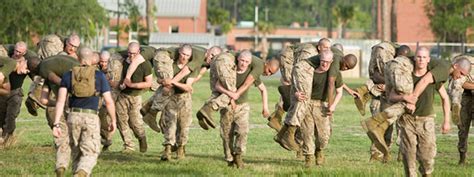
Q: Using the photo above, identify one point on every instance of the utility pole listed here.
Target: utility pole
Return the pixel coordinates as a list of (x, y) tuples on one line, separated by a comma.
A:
[(256, 24)]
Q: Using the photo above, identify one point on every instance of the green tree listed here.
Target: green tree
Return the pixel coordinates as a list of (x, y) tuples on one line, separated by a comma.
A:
[(219, 17), (344, 14), (22, 19), (449, 19)]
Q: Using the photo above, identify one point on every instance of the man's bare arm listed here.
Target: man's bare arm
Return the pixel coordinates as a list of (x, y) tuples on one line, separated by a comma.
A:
[(446, 110)]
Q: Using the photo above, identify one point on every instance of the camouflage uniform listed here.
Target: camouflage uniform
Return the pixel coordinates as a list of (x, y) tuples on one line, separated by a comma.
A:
[(316, 124), (163, 66), (113, 73), (467, 112), (177, 119), (63, 150), (128, 105), (49, 45), (85, 140), (222, 70), (398, 76), (418, 142), (234, 130), (381, 54), (129, 117), (455, 91), (302, 74)]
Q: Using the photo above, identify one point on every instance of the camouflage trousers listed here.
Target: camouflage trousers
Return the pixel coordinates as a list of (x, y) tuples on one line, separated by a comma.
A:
[(128, 116), (316, 127), (418, 142), (177, 119), (9, 110), (163, 66), (467, 115), (455, 92), (222, 70), (61, 144), (377, 105), (286, 58), (302, 81), (84, 134), (105, 120), (234, 130)]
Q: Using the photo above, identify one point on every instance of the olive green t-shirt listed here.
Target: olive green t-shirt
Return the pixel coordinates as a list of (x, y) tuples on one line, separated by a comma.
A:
[(256, 67), (148, 52), (7, 67), (424, 105), (143, 70), (176, 70), (57, 64), (196, 60), (240, 81), (320, 85), (439, 69)]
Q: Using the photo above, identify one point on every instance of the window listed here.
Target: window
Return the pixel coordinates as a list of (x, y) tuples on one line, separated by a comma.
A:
[(174, 29), (112, 38)]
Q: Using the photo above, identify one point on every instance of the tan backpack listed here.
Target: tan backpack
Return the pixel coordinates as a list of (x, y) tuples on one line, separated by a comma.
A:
[(83, 81)]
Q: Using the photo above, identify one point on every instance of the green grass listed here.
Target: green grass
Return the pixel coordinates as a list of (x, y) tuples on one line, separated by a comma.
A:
[(346, 155)]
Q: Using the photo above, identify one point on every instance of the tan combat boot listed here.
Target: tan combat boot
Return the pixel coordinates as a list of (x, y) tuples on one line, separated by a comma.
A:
[(376, 128), (286, 138), (166, 155), (376, 156), (143, 144), (319, 157), (31, 106), (204, 116), (239, 163), (146, 107), (308, 161), (60, 172), (362, 101), (274, 121), (150, 120), (81, 173), (180, 152), (462, 158)]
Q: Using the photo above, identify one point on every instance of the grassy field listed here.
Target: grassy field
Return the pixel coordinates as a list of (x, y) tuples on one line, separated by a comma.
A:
[(346, 155)]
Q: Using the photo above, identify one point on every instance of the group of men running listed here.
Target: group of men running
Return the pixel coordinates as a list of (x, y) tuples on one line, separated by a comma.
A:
[(87, 94)]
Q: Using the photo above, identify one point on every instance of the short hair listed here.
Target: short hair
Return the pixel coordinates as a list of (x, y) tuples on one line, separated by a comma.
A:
[(350, 60), (219, 49), (105, 54), (403, 50), (74, 39), (463, 62), (185, 47), (323, 40), (422, 49), (245, 54), (32, 64), (327, 54), (21, 44), (86, 54)]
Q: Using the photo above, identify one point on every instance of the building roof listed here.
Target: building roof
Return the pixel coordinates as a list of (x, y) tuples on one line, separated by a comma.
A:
[(164, 8), (201, 39)]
